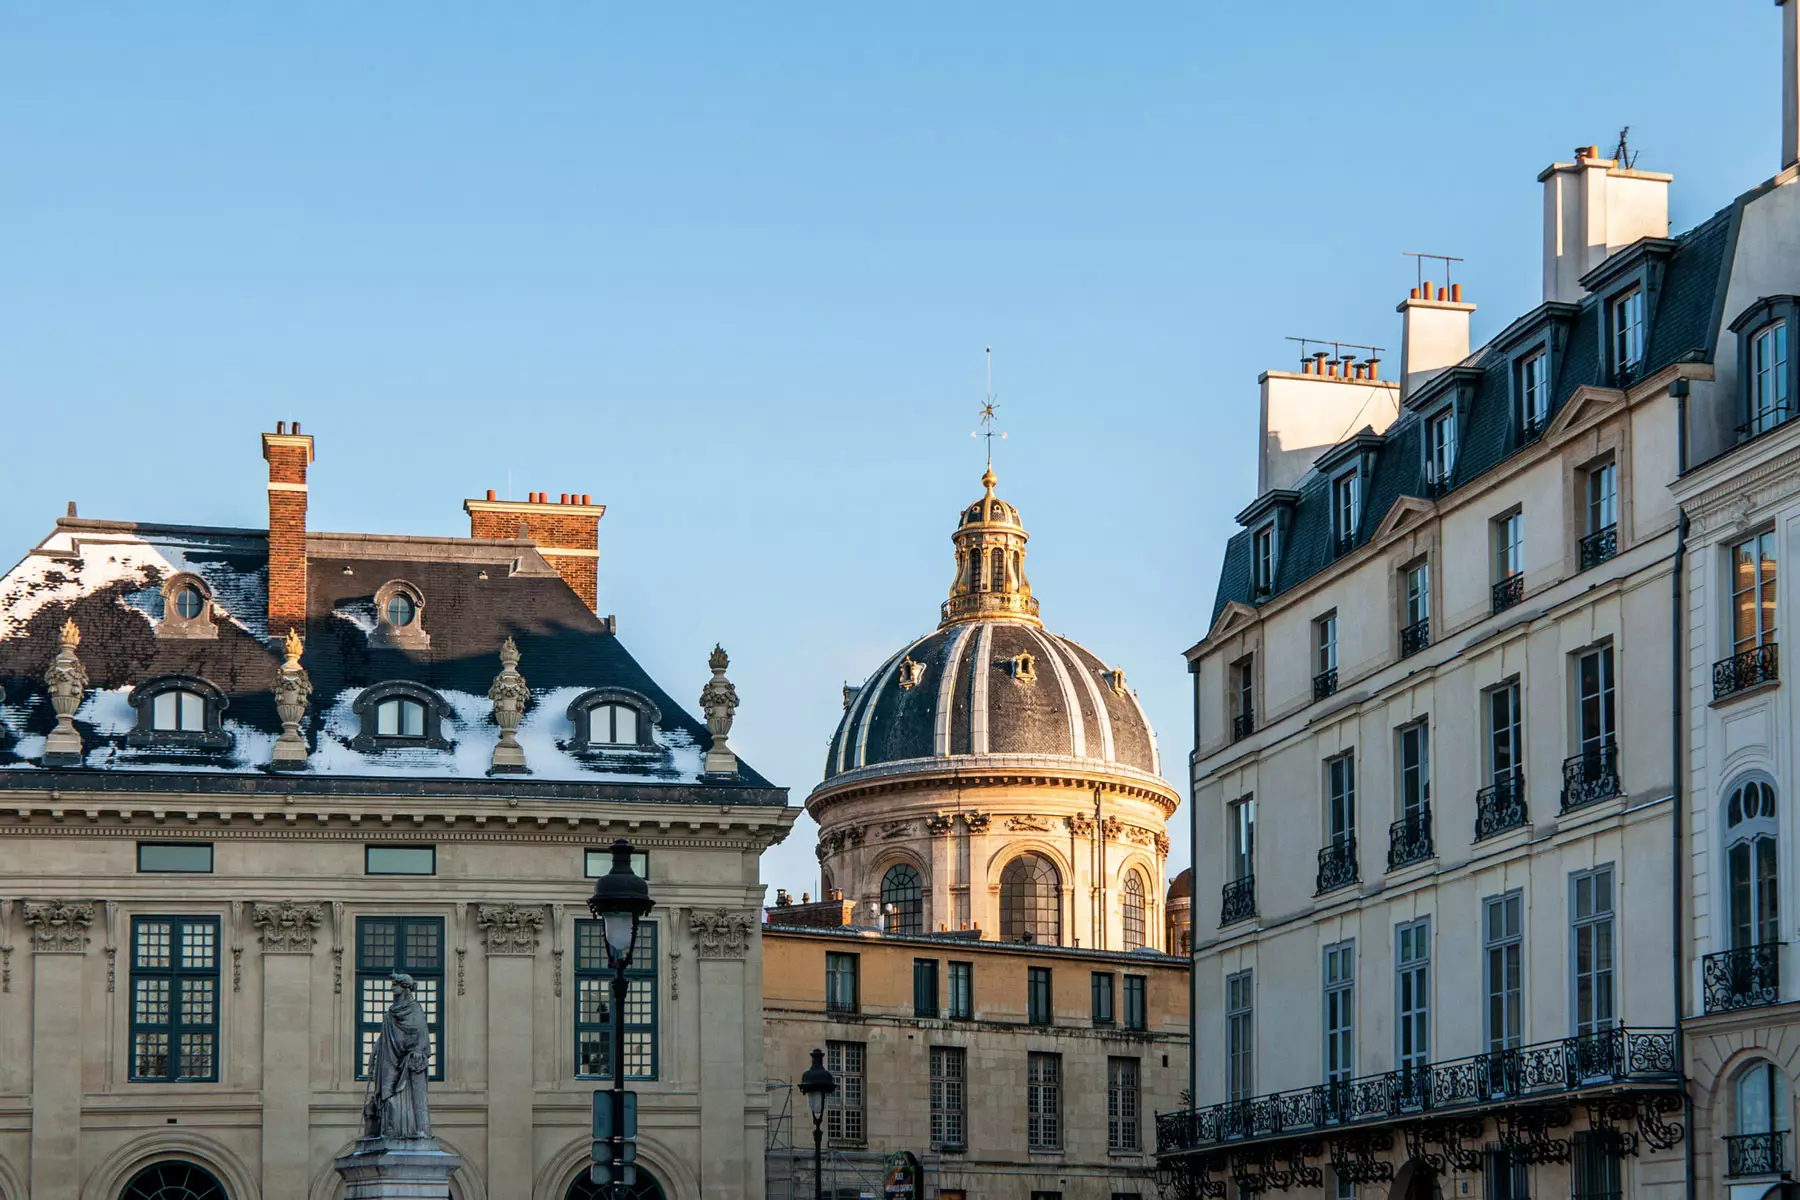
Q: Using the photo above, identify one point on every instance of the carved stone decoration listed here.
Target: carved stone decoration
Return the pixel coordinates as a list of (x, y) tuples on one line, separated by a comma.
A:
[(940, 823), (895, 829), (287, 927), (1115, 679), (720, 933), (1081, 825), (1162, 845), (854, 834), (510, 696), (912, 674), (67, 680), (510, 928), (1112, 829), (719, 702), (59, 926), (293, 689), (1028, 823), (822, 850), (978, 822), (1137, 835)]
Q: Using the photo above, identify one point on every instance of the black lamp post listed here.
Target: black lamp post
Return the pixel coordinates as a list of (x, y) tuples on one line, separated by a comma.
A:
[(621, 899), (817, 1084)]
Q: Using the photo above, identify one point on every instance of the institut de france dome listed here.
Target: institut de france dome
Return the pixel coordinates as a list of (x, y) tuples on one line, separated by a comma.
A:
[(994, 775)]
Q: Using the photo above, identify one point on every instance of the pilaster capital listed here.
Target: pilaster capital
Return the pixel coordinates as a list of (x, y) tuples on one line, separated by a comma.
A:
[(510, 928), (59, 926), (720, 932), (286, 926)]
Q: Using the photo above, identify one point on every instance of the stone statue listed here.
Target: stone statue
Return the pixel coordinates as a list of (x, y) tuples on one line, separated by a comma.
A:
[(397, 1106), (510, 696)]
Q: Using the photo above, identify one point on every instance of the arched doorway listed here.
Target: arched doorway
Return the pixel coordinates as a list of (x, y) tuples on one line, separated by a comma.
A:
[(174, 1180), (582, 1187)]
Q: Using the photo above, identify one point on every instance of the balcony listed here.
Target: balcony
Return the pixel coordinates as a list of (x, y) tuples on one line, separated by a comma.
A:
[(1743, 671), (1237, 901), (1749, 977), (1599, 546), (1531, 427), (1243, 725), (1337, 865), (1500, 807), (1409, 840), (1324, 683), (1342, 544), (1415, 637), (1591, 776), (1755, 1154), (1508, 592)]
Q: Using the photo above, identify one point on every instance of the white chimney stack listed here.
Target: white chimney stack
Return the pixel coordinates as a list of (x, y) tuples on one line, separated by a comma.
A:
[(1434, 335), (1790, 82), (1593, 207)]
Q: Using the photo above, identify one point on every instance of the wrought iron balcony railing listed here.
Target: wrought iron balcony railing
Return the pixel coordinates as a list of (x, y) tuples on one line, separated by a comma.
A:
[(1237, 900), (1531, 427), (1324, 683), (1748, 977), (1591, 776), (1759, 664), (1509, 591), (1601, 1062), (1762, 422), (1243, 725), (1337, 864), (1501, 806), (1342, 544), (1599, 546), (1755, 1154), (1415, 637), (1409, 840), (1436, 485)]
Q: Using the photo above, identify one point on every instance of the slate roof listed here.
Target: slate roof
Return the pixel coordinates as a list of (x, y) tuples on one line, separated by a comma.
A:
[(1684, 326)]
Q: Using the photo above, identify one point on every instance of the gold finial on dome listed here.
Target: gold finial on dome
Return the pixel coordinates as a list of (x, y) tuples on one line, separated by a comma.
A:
[(990, 579)]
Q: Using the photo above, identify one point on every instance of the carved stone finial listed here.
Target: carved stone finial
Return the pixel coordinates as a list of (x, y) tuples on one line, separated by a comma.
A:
[(67, 680), (719, 702), (721, 933), (293, 689), (59, 926), (510, 928), (71, 633), (287, 927), (510, 696), (293, 644)]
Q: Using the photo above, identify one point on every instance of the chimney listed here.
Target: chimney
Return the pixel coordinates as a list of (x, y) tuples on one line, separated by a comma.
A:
[(288, 455), (1434, 336), (566, 532), (1593, 207), (1790, 82), (1306, 412)]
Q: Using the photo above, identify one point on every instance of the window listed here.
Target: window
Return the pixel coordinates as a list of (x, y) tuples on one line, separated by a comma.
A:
[(1325, 656), (1506, 749), (1340, 799), (1753, 593), (1240, 1036), (1504, 1176), (175, 999), (949, 1098), (902, 900), (1412, 1007), (593, 1004), (1262, 560), (1241, 818), (1043, 1102), (1415, 772), (844, 1123), (1595, 1172), (612, 725), (962, 991), (1102, 989), (399, 616), (1768, 378), (173, 1179), (1591, 901), (407, 945), (1243, 688), (178, 711), (925, 987), (1440, 449), (1342, 1187), (841, 989), (1123, 1104), (1762, 1100), (1752, 892), (599, 862), (189, 603), (1602, 498), (398, 714), (1594, 699), (1345, 509), (1627, 335), (1534, 394), (1031, 901), (1503, 946), (182, 858), (1340, 1012), (400, 717), (1415, 618), (1131, 905), (401, 610), (1037, 995), (1508, 546), (1136, 1007), (400, 860)]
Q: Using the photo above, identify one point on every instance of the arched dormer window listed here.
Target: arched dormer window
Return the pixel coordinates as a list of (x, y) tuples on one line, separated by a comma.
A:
[(1132, 910), (187, 608), (400, 616), (902, 900), (1031, 901), (399, 715), (613, 718), (179, 711)]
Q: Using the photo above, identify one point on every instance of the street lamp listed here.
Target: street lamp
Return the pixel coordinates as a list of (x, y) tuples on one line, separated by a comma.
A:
[(817, 1084), (621, 899)]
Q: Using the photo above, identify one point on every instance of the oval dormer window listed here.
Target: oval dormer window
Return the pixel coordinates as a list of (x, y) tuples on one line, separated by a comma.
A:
[(612, 725), (401, 611), (189, 603), (178, 711), (400, 716)]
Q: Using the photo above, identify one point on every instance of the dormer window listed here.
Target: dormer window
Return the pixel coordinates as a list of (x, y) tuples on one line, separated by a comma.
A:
[(1627, 327), (1440, 449), (189, 603), (400, 718), (400, 616), (1345, 510), (401, 611), (176, 710), (1262, 561), (399, 715), (1768, 377), (612, 725), (1534, 395), (179, 711), (187, 609), (610, 718)]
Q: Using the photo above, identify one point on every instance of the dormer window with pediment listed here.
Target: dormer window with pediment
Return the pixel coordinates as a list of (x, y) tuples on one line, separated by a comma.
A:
[(399, 715), (400, 616), (1626, 286), (613, 718), (179, 712), (1766, 370), (187, 609)]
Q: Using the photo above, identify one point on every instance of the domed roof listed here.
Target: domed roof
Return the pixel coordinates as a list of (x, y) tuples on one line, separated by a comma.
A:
[(1182, 888)]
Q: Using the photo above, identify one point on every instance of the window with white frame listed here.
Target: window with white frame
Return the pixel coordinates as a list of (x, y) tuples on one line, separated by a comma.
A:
[(1412, 999), (1762, 1100), (1627, 334), (1325, 644), (1241, 817), (1503, 947), (1440, 447), (1602, 497), (1534, 393), (1417, 587), (1262, 560), (1415, 771), (1505, 744), (1591, 918), (1753, 593), (1240, 1035), (1346, 508), (1509, 546), (1594, 700), (1768, 377), (1753, 911), (845, 1122), (1340, 798), (1340, 1012)]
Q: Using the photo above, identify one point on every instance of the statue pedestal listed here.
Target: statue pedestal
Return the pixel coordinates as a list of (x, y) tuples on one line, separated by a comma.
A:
[(397, 1169)]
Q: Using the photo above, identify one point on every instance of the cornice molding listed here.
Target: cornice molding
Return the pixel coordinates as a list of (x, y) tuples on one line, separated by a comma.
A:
[(1731, 501), (964, 772)]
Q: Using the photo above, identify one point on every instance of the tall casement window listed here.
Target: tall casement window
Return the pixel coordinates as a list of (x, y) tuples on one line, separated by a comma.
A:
[(1325, 656), (1415, 772), (949, 1098), (593, 1004), (1243, 697), (1591, 915), (1240, 818), (1762, 1109), (1240, 1035), (841, 983), (1505, 1176), (1768, 377), (175, 999), (1038, 1002), (1262, 560), (902, 900), (1503, 947), (1412, 996), (1627, 335), (1340, 799), (844, 1113), (1102, 988), (1415, 614), (1346, 509), (1753, 893), (1753, 593), (1043, 1102), (1340, 1012), (962, 991), (1508, 536), (1534, 394), (1131, 910), (1137, 1002), (925, 987), (1602, 497), (1594, 700), (1031, 901), (1123, 1105), (408, 945), (1440, 449), (1505, 743), (1595, 1169)]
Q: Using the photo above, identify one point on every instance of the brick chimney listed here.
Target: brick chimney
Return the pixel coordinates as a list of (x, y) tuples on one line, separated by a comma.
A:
[(1593, 207), (288, 455), (565, 529), (1434, 334)]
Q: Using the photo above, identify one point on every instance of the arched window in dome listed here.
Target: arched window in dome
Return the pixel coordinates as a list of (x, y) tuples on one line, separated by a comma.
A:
[(997, 577), (902, 900), (1031, 900), (1752, 891), (974, 583), (1133, 910)]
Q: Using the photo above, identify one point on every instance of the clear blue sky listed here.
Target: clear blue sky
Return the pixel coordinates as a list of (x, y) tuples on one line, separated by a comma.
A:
[(731, 270)]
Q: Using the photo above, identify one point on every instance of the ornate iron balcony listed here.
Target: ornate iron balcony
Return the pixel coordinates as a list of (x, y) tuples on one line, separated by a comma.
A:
[(1591, 776), (1500, 807), (1324, 683), (1531, 428), (1415, 637), (1762, 422), (1754, 1154), (1409, 840), (1237, 901), (1758, 664), (1509, 591), (1337, 865), (1243, 725), (1599, 546), (1749, 977)]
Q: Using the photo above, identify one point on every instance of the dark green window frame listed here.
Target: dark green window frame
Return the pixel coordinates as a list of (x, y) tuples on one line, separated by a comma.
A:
[(385, 945), (843, 983), (962, 991), (593, 1004), (1137, 1006), (1038, 995), (1102, 990), (175, 999), (925, 987)]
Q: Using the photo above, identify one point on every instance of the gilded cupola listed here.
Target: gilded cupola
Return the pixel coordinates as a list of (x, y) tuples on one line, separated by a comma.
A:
[(990, 563)]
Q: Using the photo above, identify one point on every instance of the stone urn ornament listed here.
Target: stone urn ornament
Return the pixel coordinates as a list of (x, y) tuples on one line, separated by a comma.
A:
[(510, 695), (719, 701), (293, 689), (67, 680)]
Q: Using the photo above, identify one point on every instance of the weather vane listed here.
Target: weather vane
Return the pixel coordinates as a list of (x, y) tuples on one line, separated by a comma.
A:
[(989, 412)]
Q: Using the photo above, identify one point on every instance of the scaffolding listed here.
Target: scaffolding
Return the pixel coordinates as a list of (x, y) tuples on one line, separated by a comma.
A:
[(849, 1174)]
